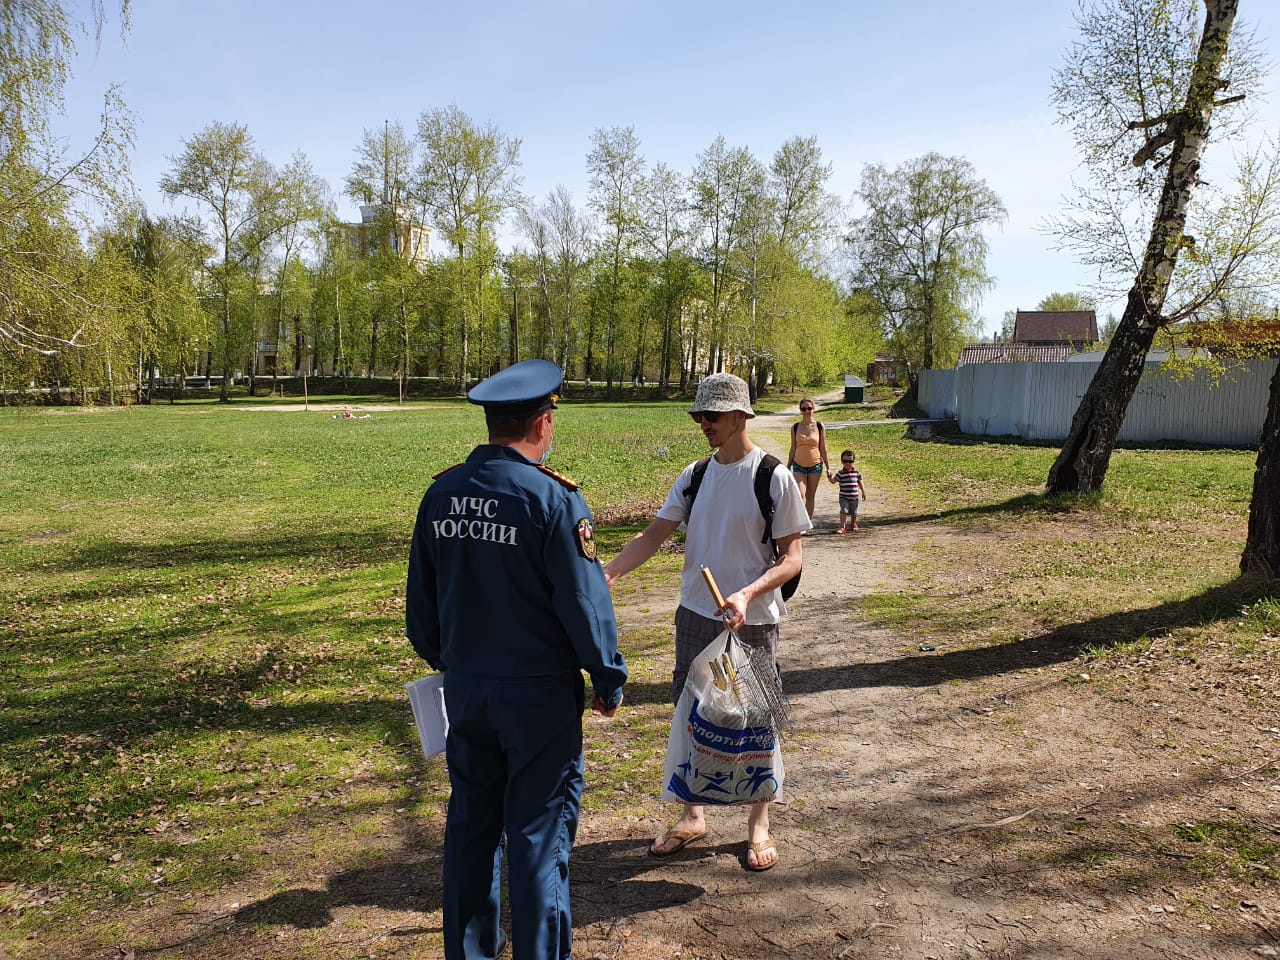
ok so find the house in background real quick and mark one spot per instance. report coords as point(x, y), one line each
point(1039, 336)
point(1249, 339)
point(1075, 329)
point(884, 369)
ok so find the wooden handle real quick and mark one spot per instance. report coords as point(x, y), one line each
point(711, 585)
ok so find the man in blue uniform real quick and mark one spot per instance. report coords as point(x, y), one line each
point(505, 595)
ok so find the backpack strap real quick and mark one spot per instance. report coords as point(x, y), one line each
point(695, 482)
point(764, 476)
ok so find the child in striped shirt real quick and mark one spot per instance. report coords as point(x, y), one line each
point(851, 490)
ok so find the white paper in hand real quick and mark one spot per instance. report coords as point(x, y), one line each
point(426, 696)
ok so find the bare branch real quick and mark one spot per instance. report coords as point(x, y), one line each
point(1153, 122)
point(1161, 139)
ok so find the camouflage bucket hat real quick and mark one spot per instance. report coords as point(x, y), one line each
point(720, 393)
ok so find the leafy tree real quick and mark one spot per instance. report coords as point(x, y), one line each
point(333, 294)
point(301, 206)
point(53, 295)
point(859, 333)
point(1008, 322)
point(570, 235)
point(383, 180)
point(785, 248)
point(1107, 329)
point(383, 170)
point(811, 342)
point(220, 168)
point(755, 264)
point(1139, 91)
point(726, 182)
point(535, 228)
point(807, 214)
point(920, 251)
point(1066, 301)
point(616, 171)
point(667, 233)
point(160, 314)
point(467, 180)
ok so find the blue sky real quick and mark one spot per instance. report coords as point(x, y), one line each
point(874, 82)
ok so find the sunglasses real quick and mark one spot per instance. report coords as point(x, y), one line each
point(707, 415)
point(806, 409)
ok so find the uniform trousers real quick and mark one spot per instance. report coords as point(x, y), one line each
point(515, 767)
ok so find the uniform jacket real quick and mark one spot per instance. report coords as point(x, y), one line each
point(503, 579)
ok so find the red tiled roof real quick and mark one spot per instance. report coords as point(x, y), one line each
point(1224, 335)
point(1047, 326)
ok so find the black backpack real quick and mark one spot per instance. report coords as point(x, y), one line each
point(764, 473)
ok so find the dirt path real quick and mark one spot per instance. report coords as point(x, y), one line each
point(918, 783)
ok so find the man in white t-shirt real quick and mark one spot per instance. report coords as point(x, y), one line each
point(724, 532)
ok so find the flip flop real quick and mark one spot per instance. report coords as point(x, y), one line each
point(685, 837)
point(758, 847)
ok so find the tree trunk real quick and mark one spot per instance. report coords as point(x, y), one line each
point(1081, 466)
point(664, 365)
point(1262, 544)
point(1082, 463)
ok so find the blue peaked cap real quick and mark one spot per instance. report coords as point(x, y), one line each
point(523, 388)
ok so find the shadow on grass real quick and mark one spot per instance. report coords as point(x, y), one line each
point(364, 545)
point(1027, 503)
point(1056, 646)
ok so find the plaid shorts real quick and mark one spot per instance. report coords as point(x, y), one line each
point(694, 632)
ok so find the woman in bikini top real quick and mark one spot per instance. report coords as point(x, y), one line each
point(808, 455)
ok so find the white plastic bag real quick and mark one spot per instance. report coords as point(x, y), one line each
point(426, 696)
point(722, 749)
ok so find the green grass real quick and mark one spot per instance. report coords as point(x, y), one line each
point(202, 631)
point(1244, 851)
point(1158, 549)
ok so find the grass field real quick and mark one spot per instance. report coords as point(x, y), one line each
point(202, 622)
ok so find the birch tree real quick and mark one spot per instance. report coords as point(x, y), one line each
point(570, 235)
point(1139, 91)
point(667, 232)
point(616, 173)
point(221, 169)
point(725, 183)
point(467, 180)
point(301, 207)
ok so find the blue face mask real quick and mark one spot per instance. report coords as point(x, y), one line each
point(547, 453)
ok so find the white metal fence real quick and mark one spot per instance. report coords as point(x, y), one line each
point(1036, 401)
